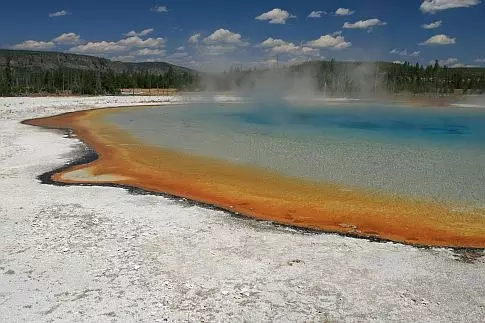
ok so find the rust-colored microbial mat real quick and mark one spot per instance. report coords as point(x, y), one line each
point(263, 194)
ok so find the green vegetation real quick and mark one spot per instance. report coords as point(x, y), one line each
point(362, 78)
point(434, 79)
point(23, 73)
point(28, 72)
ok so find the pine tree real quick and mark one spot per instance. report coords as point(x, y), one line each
point(8, 77)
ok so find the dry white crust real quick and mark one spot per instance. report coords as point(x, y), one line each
point(96, 254)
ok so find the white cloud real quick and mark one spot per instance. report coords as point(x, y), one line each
point(149, 52)
point(123, 45)
point(432, 25)
point(291, 48)
point(404, 53)
point(330, 41)
point(479, 60)
point(102, 47)
point(220, 42)
point(194, 39)
point(439, 40)
point(276, 16)
point(432, 6)
point(223, 36)
point(398, 62)
point(159, 9)
point(279, 46)
point(271, 42)
point(59, 13)
point(141, 33)
point(317, 14)
point(181, 48)
point(344, 12)
point(67, 38)
point(35, 45)
point(364, 24)
point(136, 41)
point(308, 51)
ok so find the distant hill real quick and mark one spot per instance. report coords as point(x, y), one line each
point(38, 60)
point(35, 72)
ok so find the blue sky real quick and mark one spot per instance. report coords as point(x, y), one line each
point(215, 34)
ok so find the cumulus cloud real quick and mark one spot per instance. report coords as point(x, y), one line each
point(398, 62)
point(439, 40)
point(279, 46)
point(220, 42)
point(334, 41)
point(291, 48)
point(364, 24)
point(317, 14)
point(123, 45)
point(181, 48)
point(432, 6)
point(142, 33)
point(35, 45)
point(404, 53)
point(194, 39)
point(344, 12)
point(136, 41)
point(479, 60)
point(102, 47)
point(223, 36)
point(271, 42)
point(432, 25)
point(59, 13)
point(276, 16)
point(159, 9)
point(67, 38)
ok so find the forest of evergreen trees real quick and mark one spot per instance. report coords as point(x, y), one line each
point(363, 78)
point(329, 77)
point(25, 81)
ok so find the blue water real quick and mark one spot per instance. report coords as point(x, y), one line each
point(432, 153)
point(447, 125)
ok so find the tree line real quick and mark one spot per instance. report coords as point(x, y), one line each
point(24, 81)
point(361, 78)
point(329, 77)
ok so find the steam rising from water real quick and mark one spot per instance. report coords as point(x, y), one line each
point(306, 82)
point(475, 101)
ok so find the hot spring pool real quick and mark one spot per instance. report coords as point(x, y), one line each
point(430, 153)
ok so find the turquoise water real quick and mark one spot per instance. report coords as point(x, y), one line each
point(432, 153)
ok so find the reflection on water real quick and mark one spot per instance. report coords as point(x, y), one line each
point(438, 153)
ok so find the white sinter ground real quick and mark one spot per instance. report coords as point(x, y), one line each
point(83, 253)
